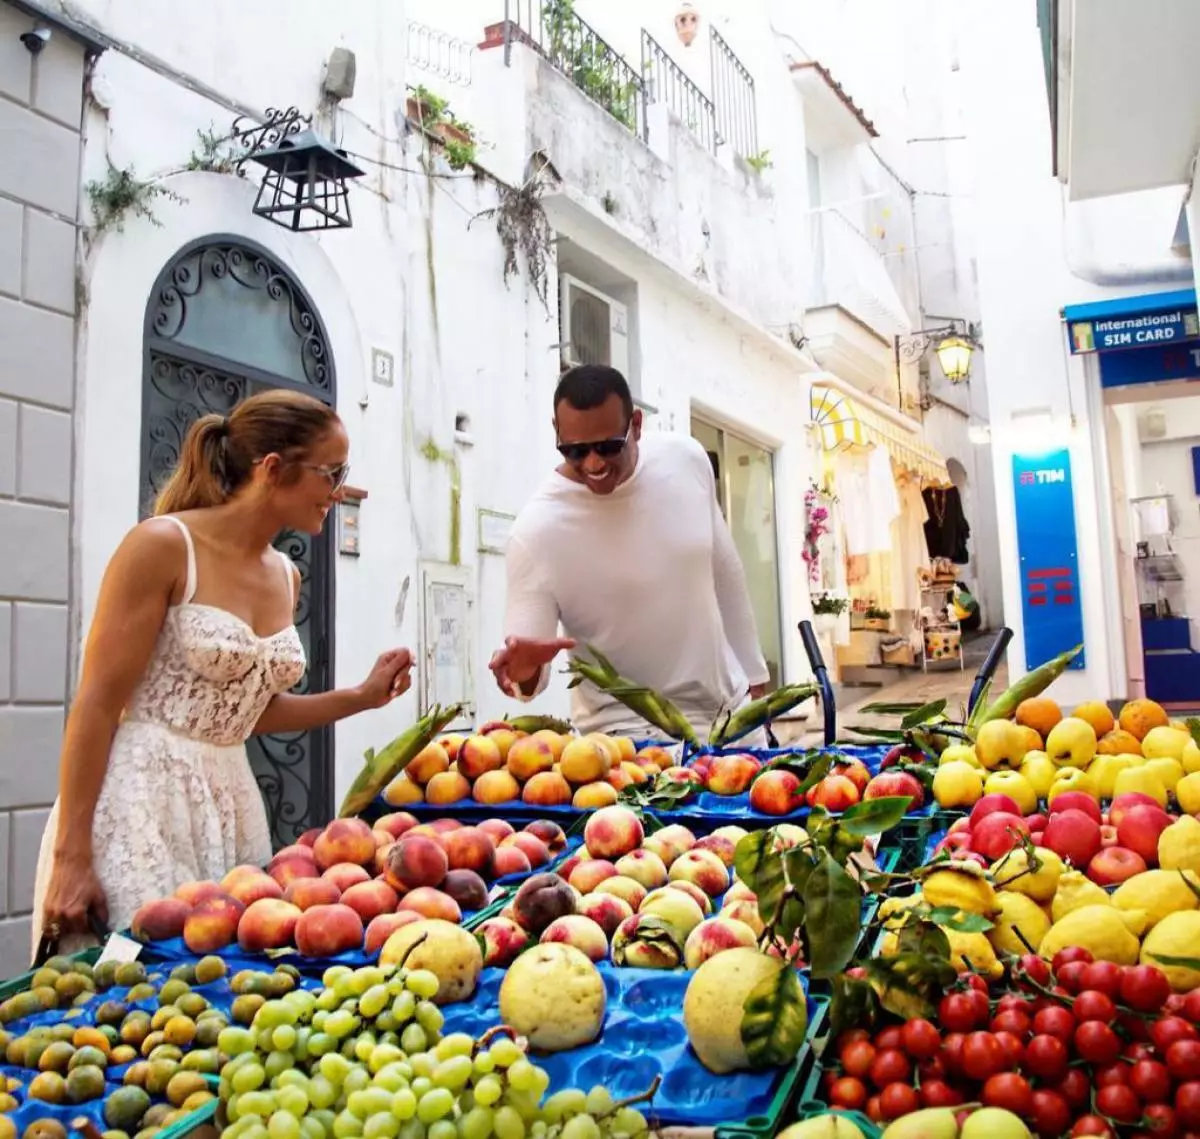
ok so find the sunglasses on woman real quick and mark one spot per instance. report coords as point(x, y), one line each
point(606, 448)
point(337, 475)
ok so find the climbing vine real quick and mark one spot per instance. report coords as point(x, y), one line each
point(123, 193)
point(601, 74)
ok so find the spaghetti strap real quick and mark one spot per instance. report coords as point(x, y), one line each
point(291, 579)
point(189, 588)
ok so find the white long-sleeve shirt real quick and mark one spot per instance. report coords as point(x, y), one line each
point(649, 575)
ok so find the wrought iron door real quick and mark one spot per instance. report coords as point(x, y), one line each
point(225, 321)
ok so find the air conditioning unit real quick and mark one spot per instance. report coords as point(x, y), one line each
point(594, 327)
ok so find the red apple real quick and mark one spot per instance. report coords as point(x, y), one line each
point(989, 804)
point(997, 833)
point(1139, 829)
point(1108, 836)
point(969, 856)
point(1036, 822)
point(1123, 803)
point(1076, 801)
point(1113, 865)
point(958, 841)
point(897, 783)
point(963, 824)
point(1074, 836)
point(902, 753)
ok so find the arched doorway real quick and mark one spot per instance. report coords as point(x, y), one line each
point(225, 320)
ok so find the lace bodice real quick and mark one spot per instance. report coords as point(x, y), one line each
point(211, 676)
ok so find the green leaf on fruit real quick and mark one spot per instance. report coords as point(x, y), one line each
point(923, 714)
point(760, 866)
point(833, 916)
point(775, 1020)
point(1193, 727)
point(888, 735)
point(874, 816)
point(854, 1004)
point(1190, 884)
point(885, 709)
point(1174, 962)
point(961, 921)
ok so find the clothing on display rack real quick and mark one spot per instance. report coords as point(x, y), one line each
point(867, 490)
point(947, 530)
point(908, 547)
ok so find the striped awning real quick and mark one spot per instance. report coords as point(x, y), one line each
point(843, 423)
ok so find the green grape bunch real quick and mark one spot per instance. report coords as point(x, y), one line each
point(365, 1058)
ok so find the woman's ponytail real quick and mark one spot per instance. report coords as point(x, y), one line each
point(200, 478)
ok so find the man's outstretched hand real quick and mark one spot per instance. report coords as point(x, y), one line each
point(518, 665)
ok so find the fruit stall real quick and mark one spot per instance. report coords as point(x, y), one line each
point(983, 927)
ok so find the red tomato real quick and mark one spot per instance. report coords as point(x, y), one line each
point(1064, 956)
point(848, 1092)
point(1013, 1047)
point(1093, 1005)
point(1009, 1091)
point(980, 1003)
point(1070, 976)
point(982, 1056)
point(1075, 1087)
point(952, 1047)
point(1133, 1025)
point(1012, 1020)
point(1046, 1057)
point(1119, 1102)
point(1168, 1029)
point(1050, 1114)
point(932, 1069)
point(1183, 1060)
point(873, 1110)
point(1032, 966)
point(976, 982)
point(1096, 1043)
point(898, 1099)
point(857, 1058)
point(1104, 977)
point(1187, 1104)
point(1151, 1080)
point(1013, 1002)
point(1160, 1120)
point(1145, 988)
point(958, 1013)
point(938, 1093)
point(1115, 1073)
point(890, 1067)
point(1092, 1125)
point(1137, 1050)
point(1055, 1021)
point(920, 1039)
point(850, 1036)
point(1191, 1005)
point(888, 1038)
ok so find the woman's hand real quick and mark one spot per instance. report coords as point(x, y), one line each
point(73, 892)
point(391, 677)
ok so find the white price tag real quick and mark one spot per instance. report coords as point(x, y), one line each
point(119, 948)
point(494, 893)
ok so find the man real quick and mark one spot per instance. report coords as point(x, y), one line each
point(625, 547)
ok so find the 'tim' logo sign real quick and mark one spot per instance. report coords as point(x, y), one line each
point(1040, 478)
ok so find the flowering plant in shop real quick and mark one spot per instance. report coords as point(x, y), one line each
point(816, 526)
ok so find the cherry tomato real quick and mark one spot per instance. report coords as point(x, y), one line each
point(1187, 1104)
point(982, 1056)
point(932, 1069)
point(873, 1110)
point(1183, 1060)
point(952, 1046)
point(1092, 1125)
point(1119, 1102)
point(1050, 1114)
point(1145, 988)
point(1075, 1087)
point(1046, 1057)
point(1011, 1002)
point(889, 1038)
point(1191, 1004)
point(1137, 1050)
point(848, 1092)
point(1010, 1091)
point(976, 982)
point(957, 1012)
point(1104, 977)
point(981, 1005)
point(1168, 1029)
point(857, 1058)
point(1032, 966)
point(938, 1093)
point(1065, 956)
point(1096, 1043)
point(920, 1039)
point(1160, 1120)
point(850, 1036)
point(1013, 1047)
point(1134, 1025)
point(1070, 977)
point(890, 1067)
point(1093, 1005)
point(1012, 1020)
point(1055, 1021)
point(898, 1099)
point(1151, 1080)
point(1115, 1073)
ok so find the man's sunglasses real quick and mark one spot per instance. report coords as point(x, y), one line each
point(605, 448)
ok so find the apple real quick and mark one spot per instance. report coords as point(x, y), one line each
point(958, 841)
point(1139, 829)
point(1001, 744)
point(969, 856)
point(900, 783)
point(1114, 864)
point(1108, 835)
point(1121, 804)
point(1071, 743)
point(962, 824)
point(902, 753)
point(1073, 836)
point(996, 834)
point(990, 803)
point(1036, 822)
point(1076, 801)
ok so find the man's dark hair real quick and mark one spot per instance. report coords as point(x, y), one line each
point(588, 385)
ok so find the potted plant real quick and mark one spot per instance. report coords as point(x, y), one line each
point(878, 619)
point(426, 108)
point(826, 611)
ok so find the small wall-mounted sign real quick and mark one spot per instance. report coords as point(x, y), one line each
point(494, 529)
point(383, 367)
point(349, 525)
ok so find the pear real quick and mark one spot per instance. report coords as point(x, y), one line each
point(823, 1127)
point(932, 1123)
point(994, 1123)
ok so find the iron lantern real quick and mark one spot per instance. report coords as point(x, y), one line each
point(304, 187)
point(954, 355)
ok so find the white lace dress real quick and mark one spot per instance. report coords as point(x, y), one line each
point(179, 801)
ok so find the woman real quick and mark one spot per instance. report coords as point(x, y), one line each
point(192, 650)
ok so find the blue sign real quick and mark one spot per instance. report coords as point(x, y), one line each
point(1150, 366)
point(1049, 557)
point(1114, 333)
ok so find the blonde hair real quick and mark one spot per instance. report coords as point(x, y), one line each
point(220, 452)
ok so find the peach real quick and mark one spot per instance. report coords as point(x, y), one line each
point(503, 939)
point(589, 873)
point(160, 919)
point(445, 826)
point(540, 900)
point(193, 893)
point(719, 845)
point(296, 850)
point(309, 836)
point(715, 936)
point(325, 931)
point(645, 763)
point(643, 866)
point(547, 789)
point(581, 932)
point(452, 745)
point(288, 870)
point(431, 903)
point(470, 848)
point(267, 924)
point(613, 832)
point(498, 829)
point(584, 760)
point(745, 912)
point(549, 832)
point(397, 824)
point(503, 738)
point(370, 899)
point(618, 778)
point(610, 747)
point(695, 893)
point(308, 892)
point(735, 834)
point(567, 867)
point(834, 793)
point(417, 861)
point(383, 926)
point(380, 862)
point(777, 792)
point(661, 757)
point(240, 873)
point(467, 888)
point(702, 868)
point(731, 774)
point(346, 874)
point(402, 790)
point(553, 740)
point(496, 787)
point(670, 842)
point(344, 840)
point(478, 755)
point(534, 849)
point(632, 946)
point(212, 924)
point(687, 775)
point(637, 775)
point(675, 908)
point(382, 838)
point(528, 757)
point(856, 772)
point(631, 892)
point(431, 760)
point(606, 910)
point(739, 892)
point(510, 860)
point(448, 787)
point(249, 889)
point(593, 795)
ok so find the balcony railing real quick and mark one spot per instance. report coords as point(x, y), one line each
point(577, 50)
point(439, 53)
point(665, 82)
point(733, 97)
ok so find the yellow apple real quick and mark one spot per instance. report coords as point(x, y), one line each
point(960, 753)
point(1071, 743)
point(1072, 779)
point(957, 784)
point(1191, 757)
point(1165, 743)
point(1015, 786)
point(1141, 779)
point(1104, 769)
point(1170, 771)
point(1000, 745)
point(1039, 771)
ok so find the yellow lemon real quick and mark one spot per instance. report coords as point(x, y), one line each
point(1020, 926)
point(958, 784)
point(1177, 935)
point(1187, 791)
point(1074, 893)
point(973, 951)
point(1141, 779)
point(1179, 845)
point(1105, 768)
point(1015, 786)
point(1168, 743)
point(1191, 757)
point(1157, 893)
point(1106, 932)
point(1014, 874)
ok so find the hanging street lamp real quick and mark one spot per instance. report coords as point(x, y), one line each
point(953, 344)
